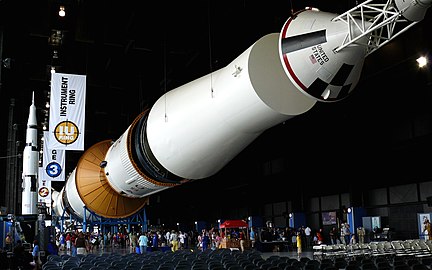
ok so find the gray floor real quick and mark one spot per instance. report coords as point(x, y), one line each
point(289, 254)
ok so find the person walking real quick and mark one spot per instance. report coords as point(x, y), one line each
point(143, 242)
point(205, 241)
point(252, 236)
point(174, 241)
point(35, 254)
point(8, 242)
point(80, 244)
point(299, 244)
point(155, 242)
point(308, 234)
point(134, 242)
point(242, 238)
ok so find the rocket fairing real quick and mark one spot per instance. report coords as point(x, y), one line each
point(194, 130)
point(30, 165)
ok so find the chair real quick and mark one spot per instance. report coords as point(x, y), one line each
point(182, 267)
point(419, 266)
point(298, 263)
point(85, 265)
point(165, 267)
point(258, 261)
point(426, 261)
point(55, 257)
point(331, 267)
point(251, 267)
point(266, 266)
point(412, 261)
point(325, 265)
point(368, 266)
point(199, 267)
point(304, 259)
point(149, 267)
point(340, 264)
point(290, 261)
point(282, 265)
point(311, 267)
point(316, 263)
point(293, 267)
point(129, 268)
point(327, 261)
point(51, 263)
point(65, 257)
point(69, 265)
point(383, 264)
point(354, 262)
point(235, 267)
point(102, 264)
point(221, 268)
point(402, 267)
point(98, 268)
point(352, 267)
point(52, 267)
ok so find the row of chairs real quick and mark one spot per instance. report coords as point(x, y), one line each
point(369, 263)
point(414, 247)
point(180, 260)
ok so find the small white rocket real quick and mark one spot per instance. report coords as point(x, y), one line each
point(30, 165)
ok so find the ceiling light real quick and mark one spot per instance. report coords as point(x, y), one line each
point(422, 61)
point(62, 11)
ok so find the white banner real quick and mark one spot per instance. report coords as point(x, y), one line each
point(67, 111)
point(44, 191)
point(54, 161)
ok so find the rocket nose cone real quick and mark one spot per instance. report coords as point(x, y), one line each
point(32, 116)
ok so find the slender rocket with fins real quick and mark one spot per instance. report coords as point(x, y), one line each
point(30, 164)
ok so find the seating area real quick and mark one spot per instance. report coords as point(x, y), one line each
point(413, 248)
point(395, 255)
point(219, 259)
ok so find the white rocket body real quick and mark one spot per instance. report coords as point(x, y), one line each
point(30, 165)
point(196, 129)
point(193, 131)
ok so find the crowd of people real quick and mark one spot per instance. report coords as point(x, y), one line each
point(298, 239)
point(304, 238)
point(75, 242)
point(81, 243)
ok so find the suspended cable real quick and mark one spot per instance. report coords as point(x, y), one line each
point(140, 95)
point(19, 155)
point(165, 77)
point(210, 49)
point(292, 8)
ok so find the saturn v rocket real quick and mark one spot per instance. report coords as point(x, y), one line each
point(193, 131)
point(30, 164)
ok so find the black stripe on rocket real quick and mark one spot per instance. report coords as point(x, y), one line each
point(294, 43)
point(317, 88)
